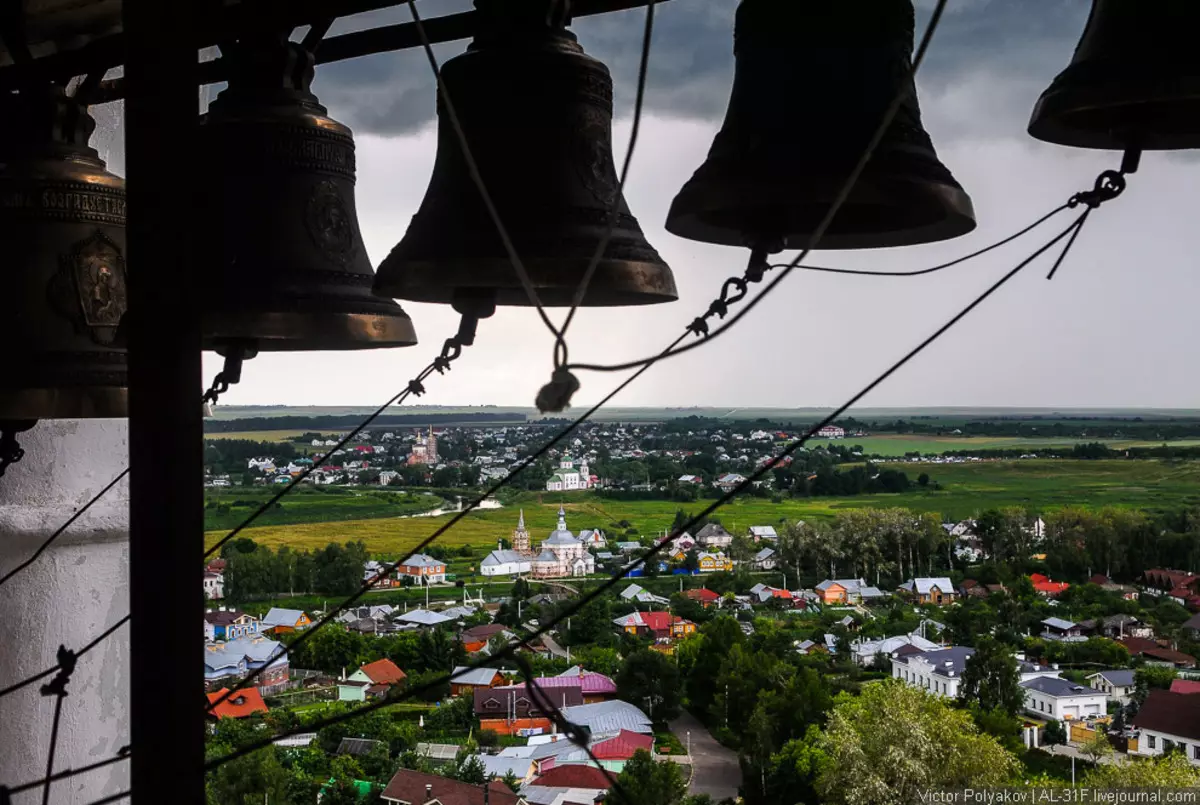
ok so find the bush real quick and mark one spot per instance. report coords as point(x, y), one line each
point(488, 738)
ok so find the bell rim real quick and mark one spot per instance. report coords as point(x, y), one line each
point(291, 331)
point(81, 402)
point(958, 220)
point(1046, 120)
point(614, 283)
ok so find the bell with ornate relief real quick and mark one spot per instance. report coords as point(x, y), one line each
point(62, 223)
point(536, 112)
point(812, 83)
point(287, 269)
point(1134, 81)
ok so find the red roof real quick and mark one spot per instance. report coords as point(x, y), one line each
point(780, 594)
point(409, 786)
point(1047, 587)
point(383, 672)
point(576, 775)
point(704, 595)
point(244, 702)
point(1175, 714)
point(622, 746)
point(1038, 578)
point(1099, 578)
point(658, 621)
point(1184, 686)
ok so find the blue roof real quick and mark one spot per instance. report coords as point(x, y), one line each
point(1053, 686)
point(1122, 677)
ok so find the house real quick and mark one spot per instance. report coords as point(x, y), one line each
point(285, 621)
point(240, 657)
point(358, 747)
point(762, 593)
point(497, 767)
point(477, 637)
point(379, 574)
point(613, 753)
point(1192, 626)
point(373, 680)
point(1061, 630)
point(703, 596)
point(1046, 587)
point(214, 586)
point(1154, 654)
point(501, 562)
point(765, 559)
point(231, 624)
point(466, 680)
point(939, 591)
point(729, 481)
point(423, 617)
point(865, 652)
point(570, 783)
point(691, 479)
point(938, 671)
point(1061, 699)
point(847, 591)
point(244, 702)
point(510, 702)
point(714, 535)
point(760, 532)
point(606, 719)
point(831, 432)
point(595, 687)
point(713, 562)
point(1168, 721)
point(1117, 626)
point(659, 625)
point(682, 544)
point(408, 787)
point(563, 554)
point(1187, 686)
point(423, 569)
point(1117, 684)
point(637, 593)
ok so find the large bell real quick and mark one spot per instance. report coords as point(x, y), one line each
point(62, 223)
point(1134, 81)
point(812, 83)
point(537, 114)
point(287, 269)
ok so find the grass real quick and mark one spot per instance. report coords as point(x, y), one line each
point(226, 508)
point(968, 488)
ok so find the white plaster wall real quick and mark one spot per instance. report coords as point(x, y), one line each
point(72, 593)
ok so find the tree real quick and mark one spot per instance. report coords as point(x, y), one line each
point(1054, 733)
point(650, 680)
point(512, 781)
point(893, 741)
point(1167, 771)
point(471, 770)
point(700, 659)
point(1096, 747)
point(645, 781)
point(991, 679)
point(923, 479)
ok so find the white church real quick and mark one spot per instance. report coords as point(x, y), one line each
point(566, 478)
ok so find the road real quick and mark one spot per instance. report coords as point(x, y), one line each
point(715, 768)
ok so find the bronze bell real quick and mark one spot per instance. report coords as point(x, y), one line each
point(62, 223)
point(537, 114)
point(811, 85)
point(288, 269)
point(1134, 81)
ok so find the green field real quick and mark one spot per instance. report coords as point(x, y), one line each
point(967, 489)
point(225, 508)
point(268, 435)
point(898, 444)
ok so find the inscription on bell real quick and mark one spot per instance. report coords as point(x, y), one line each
point(81, 205)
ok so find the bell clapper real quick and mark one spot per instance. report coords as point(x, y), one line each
point(10, 449)
point(235, 353)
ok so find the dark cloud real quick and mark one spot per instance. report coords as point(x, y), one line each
point(1023, 42)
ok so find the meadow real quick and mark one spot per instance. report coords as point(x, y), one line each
point(899, 444)
point(225, 508)
point(1040, 485)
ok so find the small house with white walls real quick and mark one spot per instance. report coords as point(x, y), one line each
point(503, 562)
point(1167, 721)
point(1118, 684)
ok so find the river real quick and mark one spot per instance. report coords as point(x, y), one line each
point(488, 503)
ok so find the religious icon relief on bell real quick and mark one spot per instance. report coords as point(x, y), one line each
point(329, 223)
point(89, 288)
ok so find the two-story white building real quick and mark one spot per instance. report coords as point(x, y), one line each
point(939, 671)
point(1168, 721)
point(1061, 699)
point(1117, 685)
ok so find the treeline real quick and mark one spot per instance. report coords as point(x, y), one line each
point(345, 421)
point(254, 571)
point(1032, 427)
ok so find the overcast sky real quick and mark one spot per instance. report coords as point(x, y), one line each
point(1116, 327)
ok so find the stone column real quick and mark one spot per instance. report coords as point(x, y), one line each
point(74, 591)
